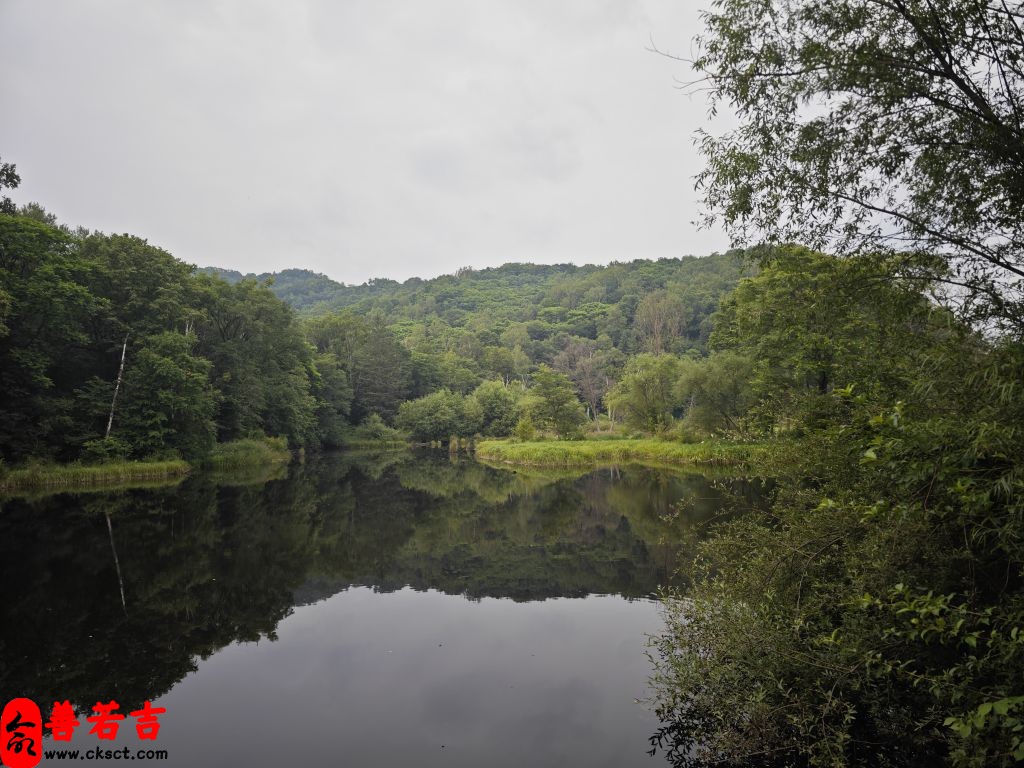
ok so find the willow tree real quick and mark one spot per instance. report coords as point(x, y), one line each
point(873, 616)
point(867, 125)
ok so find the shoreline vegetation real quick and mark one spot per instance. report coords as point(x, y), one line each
point(77, 476)
point(231, 456)
point(576, 453)
point(243, 455)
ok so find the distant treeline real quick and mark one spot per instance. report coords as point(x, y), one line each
point(112, 348)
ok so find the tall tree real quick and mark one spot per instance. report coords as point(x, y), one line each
point(660, 319)
point(9, 179)
point(379, 368)
point(647, 394)
point(869, 125)
point(45, 311)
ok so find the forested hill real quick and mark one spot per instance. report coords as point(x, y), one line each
point(112, 348)
point(577, 299)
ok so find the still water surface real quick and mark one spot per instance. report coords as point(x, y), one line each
point(370, 610)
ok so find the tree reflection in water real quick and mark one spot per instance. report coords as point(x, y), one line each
point(209, 562)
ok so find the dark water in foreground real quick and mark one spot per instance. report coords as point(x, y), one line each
point(361, 611)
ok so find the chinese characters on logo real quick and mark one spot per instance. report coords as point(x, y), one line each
point(21, 734)
point(21, 727)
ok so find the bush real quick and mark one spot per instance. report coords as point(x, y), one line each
point(105, 449)
point(524, 430)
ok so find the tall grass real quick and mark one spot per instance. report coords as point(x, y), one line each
point(575, 453)
point(246, 453)
point(40, 475)
point(357, 444)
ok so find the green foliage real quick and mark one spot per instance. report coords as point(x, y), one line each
point(261, 365)
point(45, 311)
point(378, 368)
point(105, 450)
point(585, 453)
point(524, 429)
point(554, 404)
point(647, 394)
point(36, 476)
point(375, 430)
point(716, 392)
point(440, 415)
point(202, 358)
point(169, 401)
point(501, 323)
point(499, 408)
point(809, 323)
point(873, 617)
point(332, 392)
point(871, 126)
point(9, 179)
point(247, 453)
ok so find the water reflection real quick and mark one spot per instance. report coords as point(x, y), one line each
point(122, 595)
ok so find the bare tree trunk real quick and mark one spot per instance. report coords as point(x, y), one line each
point(117, 386)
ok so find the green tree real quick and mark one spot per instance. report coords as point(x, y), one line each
point(555, 405)
point(499, 408)
point(439, 415)
point(261, 365)
point(660, 318)
point(169, 402)
point(592, 366)
point(647, 394)
point(810, 323)
point(716, 392)
point(867, 125)
point(333, 395)
point(379, 368)
point(45, 313)
point(9, 179)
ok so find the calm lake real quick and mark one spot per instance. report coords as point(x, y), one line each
point(361, 610)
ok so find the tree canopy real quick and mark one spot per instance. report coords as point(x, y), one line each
point(869, 125)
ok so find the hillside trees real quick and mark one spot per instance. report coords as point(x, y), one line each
point(261, 363)
point(378, 368)
point(202, 357)
point(45, 314)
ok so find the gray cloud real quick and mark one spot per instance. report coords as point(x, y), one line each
point(361, 139)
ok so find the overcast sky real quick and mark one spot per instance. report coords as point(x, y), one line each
point(359, 138)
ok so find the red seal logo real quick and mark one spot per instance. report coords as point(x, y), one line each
point(21, 734)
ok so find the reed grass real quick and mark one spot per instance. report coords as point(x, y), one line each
point(359, 444)
point(246, 453)
point(577, 453)
point(119, 473)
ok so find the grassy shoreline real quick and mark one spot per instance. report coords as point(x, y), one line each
point(576, 453)
point(248, 453)
point(86, 476)
point(226, 457)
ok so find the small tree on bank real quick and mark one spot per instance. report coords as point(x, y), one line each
point(556, 406)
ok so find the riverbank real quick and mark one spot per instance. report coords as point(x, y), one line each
point(577, 453)
point(225, 457)
point(248, 453)
point(87, 476)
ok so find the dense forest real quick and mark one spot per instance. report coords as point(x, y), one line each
point(113, 348)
